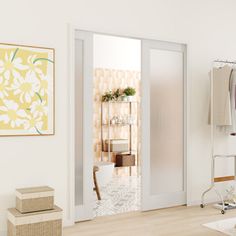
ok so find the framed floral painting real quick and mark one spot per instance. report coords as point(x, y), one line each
point(26, 90)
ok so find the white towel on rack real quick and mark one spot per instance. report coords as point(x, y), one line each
point(221, 99)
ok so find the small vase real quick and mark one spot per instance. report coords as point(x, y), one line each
point(123, 98)
point(130, 98)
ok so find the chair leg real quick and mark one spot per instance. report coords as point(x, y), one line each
point(96, 188)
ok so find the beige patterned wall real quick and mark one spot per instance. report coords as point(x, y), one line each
point(106, 80)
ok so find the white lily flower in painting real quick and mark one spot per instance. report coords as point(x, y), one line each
point(11, 64)
point(33, 65)
point(3, 87)
point(39, 108)
point(45, 85)
point(33, 123)
point(26, 87)
point(11, 114)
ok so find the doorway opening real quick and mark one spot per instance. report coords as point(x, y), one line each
point(130, 124)
point(116, 124)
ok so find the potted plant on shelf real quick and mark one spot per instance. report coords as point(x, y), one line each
point(129, 93)
point(117, 95)
point(108, 96)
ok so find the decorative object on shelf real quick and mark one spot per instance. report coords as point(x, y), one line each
point(27, 90)
point(117, 95)
point(123, 98)
point(108, 96)
point(112, 96)
point(129, 92)
point(130, 120)
point(122, 120)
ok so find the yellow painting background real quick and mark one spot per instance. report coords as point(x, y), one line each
point(24, 53)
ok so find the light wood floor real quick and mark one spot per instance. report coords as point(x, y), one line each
point(178, 221)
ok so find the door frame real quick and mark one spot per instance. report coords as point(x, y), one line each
point(71, 28)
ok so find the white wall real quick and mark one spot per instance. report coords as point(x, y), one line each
point(116, 53)
point(207, 26)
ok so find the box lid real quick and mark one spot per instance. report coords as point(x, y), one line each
point(17, 218)
point(34, 192)
point(118, 141)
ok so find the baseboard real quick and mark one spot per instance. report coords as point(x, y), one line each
point(198, 202)
point(67, 223)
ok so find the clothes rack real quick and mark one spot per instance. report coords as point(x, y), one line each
point(214, 156)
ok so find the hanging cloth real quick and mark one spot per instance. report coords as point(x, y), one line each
point(221, 97)
point(232, 129)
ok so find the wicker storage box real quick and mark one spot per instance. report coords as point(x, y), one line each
point(45, 223)
point(117, 145)
point(125, 160)
point(34, 199)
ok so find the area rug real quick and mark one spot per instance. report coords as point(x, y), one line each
point(226, 227)
point(122, 194)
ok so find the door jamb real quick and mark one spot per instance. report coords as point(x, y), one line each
point(71, 28)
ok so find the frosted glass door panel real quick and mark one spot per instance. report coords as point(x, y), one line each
point(166, 122)
point(83, 120)
point(79, 122)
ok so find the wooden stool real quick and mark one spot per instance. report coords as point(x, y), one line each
point(96, 188)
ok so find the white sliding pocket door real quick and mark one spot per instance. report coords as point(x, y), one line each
point(83, 91)
point(163, 162)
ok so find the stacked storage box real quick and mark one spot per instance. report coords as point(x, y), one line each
point(35, 213)
point(117, 145)
point(125, 160)
point(34, 199)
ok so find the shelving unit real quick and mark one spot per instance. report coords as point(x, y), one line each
point(108, 126)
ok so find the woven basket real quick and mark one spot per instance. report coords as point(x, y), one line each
point(34, 199)
point(125, 160)
point(117, 145)
point(46, 223)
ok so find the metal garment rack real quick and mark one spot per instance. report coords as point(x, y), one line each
point(213, 155)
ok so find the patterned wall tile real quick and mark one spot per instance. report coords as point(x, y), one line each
point(109, 79)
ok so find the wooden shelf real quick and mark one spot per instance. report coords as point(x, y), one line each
point(223, 179)
point(121, 102)
point(115, 125)
point(121, 152)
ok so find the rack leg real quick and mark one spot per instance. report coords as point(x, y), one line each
point(212, 183)
point(203, 195)
point(222, 201)
point(218, 194)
